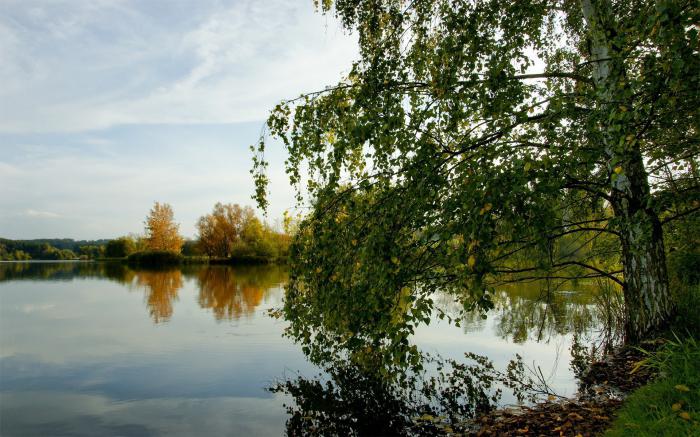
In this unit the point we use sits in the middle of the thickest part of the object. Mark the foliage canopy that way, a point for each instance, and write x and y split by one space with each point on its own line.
477 139
162 233
232 231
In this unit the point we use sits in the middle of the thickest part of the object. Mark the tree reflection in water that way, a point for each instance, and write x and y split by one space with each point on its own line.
230 292
353 400
369 390
233 293
63 271
161 288
538 311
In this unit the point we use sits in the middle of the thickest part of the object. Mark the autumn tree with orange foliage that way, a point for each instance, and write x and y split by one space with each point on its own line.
221 229
162 233
233 231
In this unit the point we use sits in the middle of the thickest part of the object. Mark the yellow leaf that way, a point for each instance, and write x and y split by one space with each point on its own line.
682 387
318 269
685 415
527 166
471 262
618 170
638 365
354 242
677 406
394 260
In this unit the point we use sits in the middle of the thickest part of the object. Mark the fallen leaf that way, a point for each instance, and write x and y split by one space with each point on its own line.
575 416
677 406
685 415
682 387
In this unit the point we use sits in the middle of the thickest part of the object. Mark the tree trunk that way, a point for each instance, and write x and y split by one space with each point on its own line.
648 303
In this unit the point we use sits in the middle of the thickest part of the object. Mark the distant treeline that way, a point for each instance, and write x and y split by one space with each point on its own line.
51 249
230 233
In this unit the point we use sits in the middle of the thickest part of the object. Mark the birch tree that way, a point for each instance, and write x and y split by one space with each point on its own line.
470 139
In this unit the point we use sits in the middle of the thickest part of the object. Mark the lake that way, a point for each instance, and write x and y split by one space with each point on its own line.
102 349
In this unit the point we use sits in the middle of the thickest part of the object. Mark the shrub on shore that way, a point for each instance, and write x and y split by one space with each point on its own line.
154 258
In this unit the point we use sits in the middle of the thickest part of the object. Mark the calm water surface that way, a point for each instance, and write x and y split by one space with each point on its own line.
100 349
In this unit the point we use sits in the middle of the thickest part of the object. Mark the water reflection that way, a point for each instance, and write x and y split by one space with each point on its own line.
229 293
161 287
383 361
535 311
80 353
350 400
55 271
232 294
70 338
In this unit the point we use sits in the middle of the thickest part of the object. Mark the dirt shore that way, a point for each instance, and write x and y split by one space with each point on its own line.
602 389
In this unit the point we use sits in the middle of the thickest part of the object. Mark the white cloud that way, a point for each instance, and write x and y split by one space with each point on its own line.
79 69
41 214
109 105
103 191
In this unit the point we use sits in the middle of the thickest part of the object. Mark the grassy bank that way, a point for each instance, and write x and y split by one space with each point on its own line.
670 405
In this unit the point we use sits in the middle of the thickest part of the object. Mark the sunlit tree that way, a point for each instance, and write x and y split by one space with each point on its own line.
162 233
232 230
221 229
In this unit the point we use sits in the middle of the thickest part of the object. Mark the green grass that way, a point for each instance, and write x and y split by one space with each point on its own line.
687 320
670 405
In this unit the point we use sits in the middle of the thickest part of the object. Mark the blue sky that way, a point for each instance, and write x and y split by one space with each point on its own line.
109 105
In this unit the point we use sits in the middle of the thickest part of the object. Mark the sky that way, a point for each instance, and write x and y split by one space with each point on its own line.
107 106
